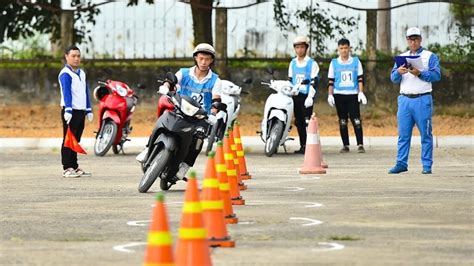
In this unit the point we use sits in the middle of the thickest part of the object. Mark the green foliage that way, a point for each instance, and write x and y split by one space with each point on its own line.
33 48
463 16
321 25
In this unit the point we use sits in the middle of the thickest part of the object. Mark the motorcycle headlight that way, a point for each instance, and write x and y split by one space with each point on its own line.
187 108
200 117
121 91
286 90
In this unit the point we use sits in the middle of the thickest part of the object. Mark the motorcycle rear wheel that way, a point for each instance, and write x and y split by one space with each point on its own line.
105 138
273 140
154 170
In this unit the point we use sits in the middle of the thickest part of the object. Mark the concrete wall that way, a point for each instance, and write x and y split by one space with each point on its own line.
39 85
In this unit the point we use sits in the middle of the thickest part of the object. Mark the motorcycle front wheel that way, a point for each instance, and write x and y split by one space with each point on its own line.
105 138
273 139
154 170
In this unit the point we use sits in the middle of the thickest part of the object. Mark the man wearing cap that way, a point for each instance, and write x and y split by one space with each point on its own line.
415 103
302 67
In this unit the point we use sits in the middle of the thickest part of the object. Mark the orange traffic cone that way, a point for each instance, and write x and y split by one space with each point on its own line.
159 250
312 155
240 153
232 173
213 207
192 247
241 184
230 216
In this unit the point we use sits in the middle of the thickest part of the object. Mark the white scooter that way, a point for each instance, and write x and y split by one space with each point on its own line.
228 109
278 114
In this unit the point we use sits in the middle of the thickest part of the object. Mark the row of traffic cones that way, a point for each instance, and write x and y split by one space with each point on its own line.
204 220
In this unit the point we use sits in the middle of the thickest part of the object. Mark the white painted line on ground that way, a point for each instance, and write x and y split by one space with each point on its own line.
332 246
310 177
311 221
246 222
124 248
294 188
311 204
139 223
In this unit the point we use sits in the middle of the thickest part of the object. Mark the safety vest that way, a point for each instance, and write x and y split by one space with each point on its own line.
345 76
201 92
301 73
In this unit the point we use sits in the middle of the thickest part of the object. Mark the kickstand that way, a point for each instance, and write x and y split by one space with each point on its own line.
284 147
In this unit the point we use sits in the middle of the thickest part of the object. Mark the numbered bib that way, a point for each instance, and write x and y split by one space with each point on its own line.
198 98
347 79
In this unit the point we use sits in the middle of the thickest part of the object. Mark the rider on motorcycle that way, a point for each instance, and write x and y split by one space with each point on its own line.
200 83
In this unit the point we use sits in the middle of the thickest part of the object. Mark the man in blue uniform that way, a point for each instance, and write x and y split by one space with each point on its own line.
302 67
415 103
345 91
75 106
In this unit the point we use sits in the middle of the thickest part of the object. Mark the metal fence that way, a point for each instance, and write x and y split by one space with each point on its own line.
164 30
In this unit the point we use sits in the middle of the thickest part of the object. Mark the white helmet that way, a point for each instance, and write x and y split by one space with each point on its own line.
204 48
301 40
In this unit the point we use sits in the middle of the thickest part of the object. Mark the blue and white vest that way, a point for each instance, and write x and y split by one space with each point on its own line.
201 92
345 76
301 73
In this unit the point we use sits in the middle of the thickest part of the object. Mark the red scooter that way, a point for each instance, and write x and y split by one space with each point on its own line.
117 102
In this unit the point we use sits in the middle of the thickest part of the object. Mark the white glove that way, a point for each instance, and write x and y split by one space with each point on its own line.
212 119
308 102
67 117
361 98
163 89
90 116
331 100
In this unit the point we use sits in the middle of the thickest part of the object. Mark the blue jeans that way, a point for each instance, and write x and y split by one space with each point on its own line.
413 111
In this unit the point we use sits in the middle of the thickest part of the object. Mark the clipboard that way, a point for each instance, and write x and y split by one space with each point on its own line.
400 60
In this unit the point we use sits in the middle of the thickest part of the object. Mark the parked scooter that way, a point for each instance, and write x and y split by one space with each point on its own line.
117 102
278 114
228 109
182 126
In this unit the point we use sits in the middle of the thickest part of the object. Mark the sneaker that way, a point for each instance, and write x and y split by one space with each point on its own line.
81 172
397 169
361 149
301 150
426 171
344 149
183 169
70 172
141 156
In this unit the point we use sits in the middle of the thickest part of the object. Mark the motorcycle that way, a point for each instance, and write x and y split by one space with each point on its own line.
182 125
117 101
278 114
228 109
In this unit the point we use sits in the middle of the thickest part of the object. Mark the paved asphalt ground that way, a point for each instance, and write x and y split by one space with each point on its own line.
354 214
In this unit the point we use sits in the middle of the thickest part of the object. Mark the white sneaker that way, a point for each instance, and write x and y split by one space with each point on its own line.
70 172
81 172
141 156
183 169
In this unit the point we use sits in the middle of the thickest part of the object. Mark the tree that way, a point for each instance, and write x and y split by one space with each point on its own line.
320 24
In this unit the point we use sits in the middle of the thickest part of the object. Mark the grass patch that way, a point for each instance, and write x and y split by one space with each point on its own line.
344 238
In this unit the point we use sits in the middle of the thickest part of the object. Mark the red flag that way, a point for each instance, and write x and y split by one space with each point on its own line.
70 142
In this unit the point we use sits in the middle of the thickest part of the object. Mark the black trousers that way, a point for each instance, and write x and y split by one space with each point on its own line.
347 106
68 156
302 114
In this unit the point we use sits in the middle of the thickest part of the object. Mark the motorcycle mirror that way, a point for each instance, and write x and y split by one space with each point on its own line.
170 77
141 86
304 82
247 80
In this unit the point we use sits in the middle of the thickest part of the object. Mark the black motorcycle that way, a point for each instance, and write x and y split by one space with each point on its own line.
176 132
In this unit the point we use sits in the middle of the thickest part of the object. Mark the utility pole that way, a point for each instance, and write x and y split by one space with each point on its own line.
371 23
383 28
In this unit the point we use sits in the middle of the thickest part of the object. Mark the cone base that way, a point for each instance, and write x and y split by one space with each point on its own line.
324 165
246 176
238 201
232 219
312 170
242 186
223 243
